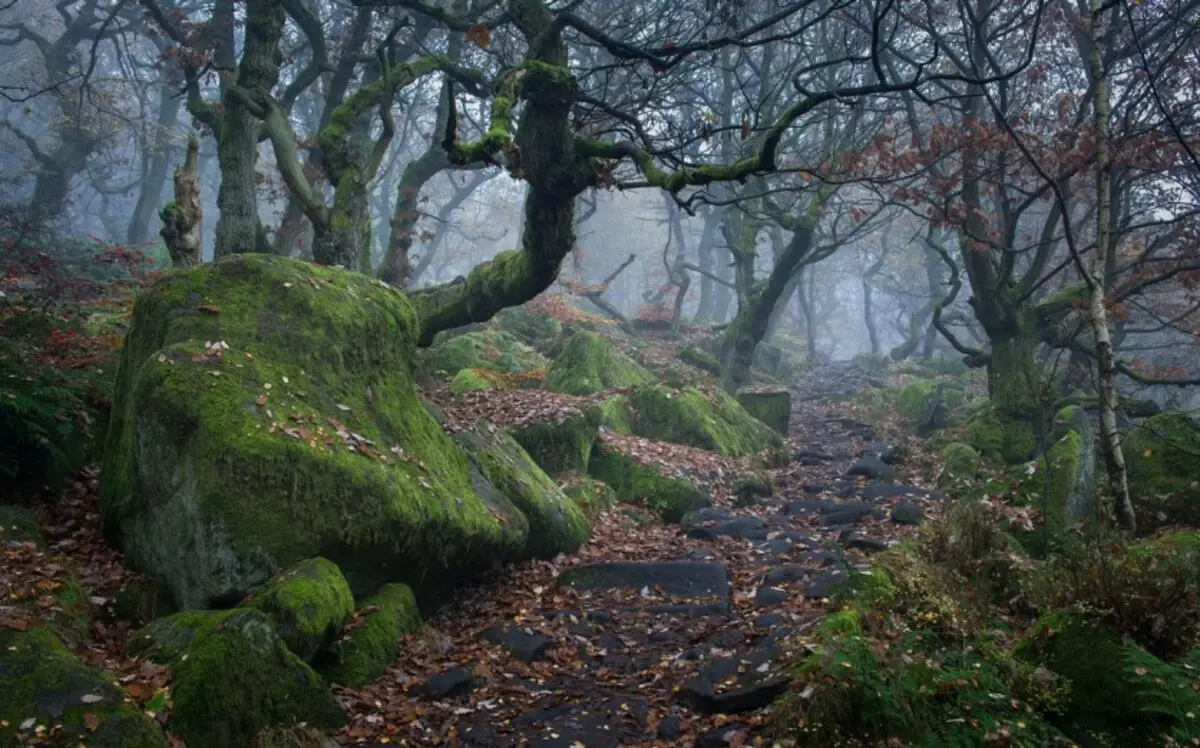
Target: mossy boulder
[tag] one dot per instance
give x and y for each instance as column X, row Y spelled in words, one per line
column 772, row 407
column 488, row 350
column 1103, row 694
column 1072, row 463
column 710, row 420
column 751, row 489
column 233, row 677
column 960, row 465
column 637, row 483
column 476, row 380
column 308, row 603
column 560, row 446
column 616, row 415
column 999, row 437
column 264, row 413
column 18, row 525
column 1164, row 470
column 700, row 358
column 590, row 495
column 374, row 639
column 913, row 397
column 554, row 523
column 589, row 364
column 43, row 682
column 536, row 328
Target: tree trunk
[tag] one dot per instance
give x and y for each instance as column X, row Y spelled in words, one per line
column 150, row 192
column 182, row 218
column 239, row 229
column 869, row 317
column 1110, row 436
column 704, row 311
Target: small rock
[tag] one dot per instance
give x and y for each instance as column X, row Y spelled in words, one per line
column 824, row 583
column 766, row 596
column 452, row 683
column 526, row 647
column 850, row 539
column 846, row 514
column 872, row 467
column 699, row 694
column 768, row 620
column 908, row 513
column 668, row 729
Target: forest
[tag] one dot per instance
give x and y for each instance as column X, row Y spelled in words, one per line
column 599, row 373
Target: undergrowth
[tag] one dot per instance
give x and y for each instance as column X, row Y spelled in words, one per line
column 63, row 304
column 958, row 638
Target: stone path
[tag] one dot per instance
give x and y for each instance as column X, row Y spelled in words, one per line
column 656, row 635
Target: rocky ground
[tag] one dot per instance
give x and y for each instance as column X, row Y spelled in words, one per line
column 657, row 635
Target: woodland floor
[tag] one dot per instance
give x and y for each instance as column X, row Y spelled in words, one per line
column 680, row 637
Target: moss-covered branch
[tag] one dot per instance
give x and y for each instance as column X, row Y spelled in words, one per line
column 762, row 162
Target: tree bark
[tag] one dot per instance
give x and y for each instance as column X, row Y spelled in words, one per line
column 181, row 219
column 1110, row 436
column 239, row 229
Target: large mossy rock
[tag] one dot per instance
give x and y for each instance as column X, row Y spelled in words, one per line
column 374, row 639
column 772, row 407
column 560, row 446
column 309, row 603
column 998, row 437
column 1164, row 470
column 637, row 483
column 536, row 328
column 710, row 420
column 264, row 413
column 489, row 350
column 1072, row 461
column 555, row 523
column 589, row 364
column 1103, row 695
column 700, row 358
column 960, row 465
column 69, row 703
column 233, row 677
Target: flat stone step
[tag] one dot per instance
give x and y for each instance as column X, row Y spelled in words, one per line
column 688, row 579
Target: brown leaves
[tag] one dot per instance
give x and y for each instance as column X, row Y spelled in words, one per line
column 91, row 722
column 479, row 35
column 745, row 127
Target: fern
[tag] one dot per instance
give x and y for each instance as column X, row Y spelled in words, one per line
column 1168, row 691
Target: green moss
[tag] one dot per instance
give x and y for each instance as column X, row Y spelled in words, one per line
column 18, row 525
column 640, row 484
column 773, row 407
column 591, row 496
column 233, row 676
column 555, row 523
column 189, row 442
column 308, row 603
column 1001, row 438
column 489, row 350
column 700, row 358
column 616, row 415
column 960, row 465
column 750, row 489
column 537, row 329
column 913, row 398
column 589, row 364
column 1072, row 466
column 708, row 420
column 1103, row 696
column 374, row 640
column 560, row 446
column 1164, row 470
column 474, row 380
column 43, row 681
